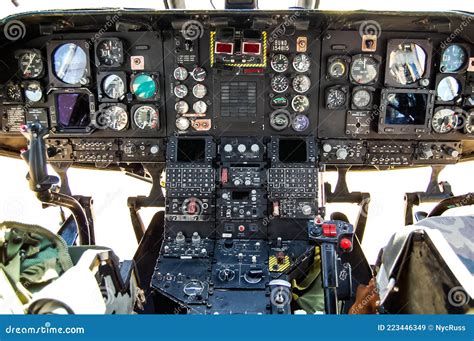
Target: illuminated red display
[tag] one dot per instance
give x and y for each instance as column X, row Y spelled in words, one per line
column 251, row 48
column 224, row 48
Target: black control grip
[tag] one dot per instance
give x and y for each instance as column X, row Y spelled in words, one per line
column 35, row 157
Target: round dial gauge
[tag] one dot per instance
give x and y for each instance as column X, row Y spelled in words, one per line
column 110, row 52
column 33, row 91
column 199, row 90
column 146, row 117
column 335, row 98
column 200, row 107
column 181, row 107
column 280, row 119
column 199, row 74
column 364, row 70
column 180, row 73
column 144, row 86
column 193, row 288
column 279, row 63
column 361, row 98
column 14, row 93
column 301, row 62
column 448, row 89
column 31, row 64
column 453, row 58
column 300, row 103
column 113, row 86
column 407, row 63
column 301, row 83
column 300, row 123
column 337, row 69
column 444, row 120
column 279, row 83
column 182, row 123
column 117, row 117
column 279, row 102
column 180, row 90
column 70, row 64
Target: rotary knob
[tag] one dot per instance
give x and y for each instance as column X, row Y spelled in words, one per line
column 228, row 148
column 241, row 148
column 226, row 275
column 255, row 148
column 341, row 153
column 327, row 147
column 154, row 149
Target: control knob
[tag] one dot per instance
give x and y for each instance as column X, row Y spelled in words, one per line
column 154, row 149
column 451, row 151
column 255, row 148
column 226, row 275
column 241, row 148
column 327, row 147
column 341, row 153
column 228, row 148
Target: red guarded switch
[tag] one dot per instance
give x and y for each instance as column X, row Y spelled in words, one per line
column 224, row 175
column 329, row 230
column 192, row 207
column 345, row 244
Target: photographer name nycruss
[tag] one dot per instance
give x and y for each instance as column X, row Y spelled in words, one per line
column 422, row 327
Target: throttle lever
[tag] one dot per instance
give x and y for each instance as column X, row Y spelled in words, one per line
column 35, row 157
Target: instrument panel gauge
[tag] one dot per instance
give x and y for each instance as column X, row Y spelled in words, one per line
column 407, row 63
column 33, row 91
column 336, row 97
column 110, row 52
column 279, row 102
column 144, row 86
column 279, row 63
column 146, row 117
column 200, row 107
column 13, row 92
column 182, row 123
column 193, row 288
column 116, row 117
column 300, row 123
column 301, row 62
column 337, row 68
column 180, row 90
column 30, row 63
column 113, row 86
column 364, row 69
column 280, row 119
column 181, row 107
column 300, row 103
column 361, row 98
column 301, row 83
column 199, row 90
column 444, row 120
column 453, row 58
column 180, row 73
column 199, row 74
column 279, row 83
column 448, row 89
column 70, row 64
